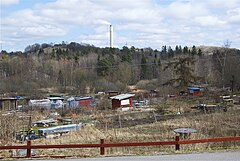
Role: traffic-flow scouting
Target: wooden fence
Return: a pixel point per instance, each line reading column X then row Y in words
column 102, row 145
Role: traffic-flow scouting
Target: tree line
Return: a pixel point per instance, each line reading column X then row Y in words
column 82, row 68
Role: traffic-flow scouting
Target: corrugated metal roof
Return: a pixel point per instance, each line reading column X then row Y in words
column 82, row 98
column 122, row 96
column 185, row 130
column 9, row 98
column 55, row 98
column 193, row 88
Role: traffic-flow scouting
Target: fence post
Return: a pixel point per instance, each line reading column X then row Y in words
column 29, row 149
column 102, row 151
column 177, row 146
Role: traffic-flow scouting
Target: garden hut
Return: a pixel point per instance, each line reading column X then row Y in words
column 122, row 100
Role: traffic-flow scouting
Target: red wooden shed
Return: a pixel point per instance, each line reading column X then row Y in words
column 83, row 101
column 194, row 91
column 122, row 100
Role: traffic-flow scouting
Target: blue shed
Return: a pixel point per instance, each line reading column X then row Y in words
column 195, row 91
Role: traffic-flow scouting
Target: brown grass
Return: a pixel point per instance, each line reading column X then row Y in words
column 208, row 126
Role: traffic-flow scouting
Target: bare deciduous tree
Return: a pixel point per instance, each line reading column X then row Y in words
column 221, row 57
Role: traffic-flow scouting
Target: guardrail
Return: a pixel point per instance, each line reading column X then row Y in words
column 102, row 145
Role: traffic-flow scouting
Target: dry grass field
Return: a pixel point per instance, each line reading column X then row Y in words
column 114, row 130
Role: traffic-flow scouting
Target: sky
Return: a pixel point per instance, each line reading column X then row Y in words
column 139, row 23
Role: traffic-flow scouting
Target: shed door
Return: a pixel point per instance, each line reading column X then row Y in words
column 125, row 102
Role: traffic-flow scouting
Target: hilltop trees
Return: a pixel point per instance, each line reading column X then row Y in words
column 126, row 55
column 183, row 72
column 144, row 69
column 75, row 67
column 105, row 63
column 194, row 50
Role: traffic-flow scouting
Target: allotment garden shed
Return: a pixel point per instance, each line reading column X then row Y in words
column 122, row 100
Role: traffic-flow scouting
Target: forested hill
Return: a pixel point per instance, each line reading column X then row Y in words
column 81, row 69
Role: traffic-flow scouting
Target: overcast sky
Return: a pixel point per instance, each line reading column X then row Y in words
column 139, row 23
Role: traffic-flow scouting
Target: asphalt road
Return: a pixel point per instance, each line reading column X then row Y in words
column 214, row 156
